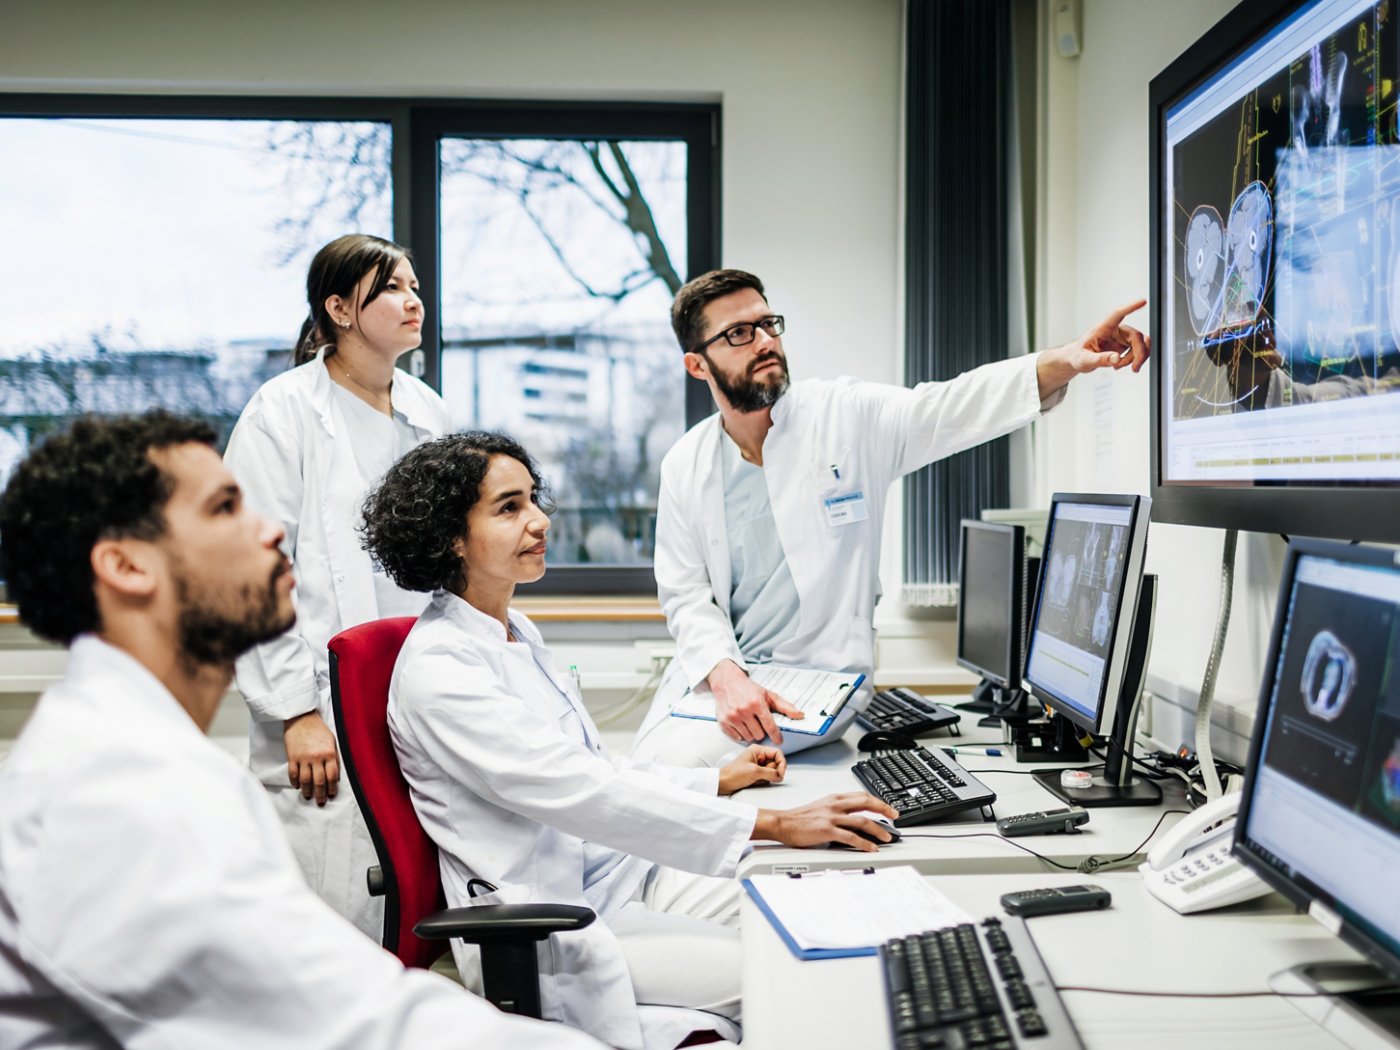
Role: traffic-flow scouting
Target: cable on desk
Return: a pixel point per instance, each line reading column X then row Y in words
column 1268, row 993
column 1150, row 772
column 1087, row 866
column 1008, row 772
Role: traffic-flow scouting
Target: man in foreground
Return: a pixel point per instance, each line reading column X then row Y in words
column 148, row 897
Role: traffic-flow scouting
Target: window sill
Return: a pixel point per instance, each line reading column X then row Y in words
column 591, row 610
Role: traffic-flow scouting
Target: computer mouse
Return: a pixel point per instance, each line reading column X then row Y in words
column 883, row 821
column 884, row 740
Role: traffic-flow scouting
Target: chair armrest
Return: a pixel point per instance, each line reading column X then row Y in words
column 493, row 923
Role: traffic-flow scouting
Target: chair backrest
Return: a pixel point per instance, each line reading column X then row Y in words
column 362, row 663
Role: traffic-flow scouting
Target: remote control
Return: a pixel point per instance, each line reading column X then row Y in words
column 1053, row 901
column 1044, row 823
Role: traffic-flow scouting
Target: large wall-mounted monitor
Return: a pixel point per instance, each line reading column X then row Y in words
column 1320, row 815
column 1275, row 297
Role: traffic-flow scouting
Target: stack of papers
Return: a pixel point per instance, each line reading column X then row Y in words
column 838, row 913
column 820, row 695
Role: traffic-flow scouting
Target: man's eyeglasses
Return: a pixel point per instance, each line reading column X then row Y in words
column 745, row 333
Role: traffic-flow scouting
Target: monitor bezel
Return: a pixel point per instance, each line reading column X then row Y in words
column 1301, row 891
column 1341, row 510
column 1016, row 648
column 1123, row 618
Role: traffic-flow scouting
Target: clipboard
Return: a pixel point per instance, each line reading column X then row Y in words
column 843, row 913
column 819, row 693
column 790, row 941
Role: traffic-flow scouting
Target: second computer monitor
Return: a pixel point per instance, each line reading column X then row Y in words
column 1090, row 638
column 1085, row 606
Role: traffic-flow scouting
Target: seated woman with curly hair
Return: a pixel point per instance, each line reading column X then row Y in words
column 510, row 778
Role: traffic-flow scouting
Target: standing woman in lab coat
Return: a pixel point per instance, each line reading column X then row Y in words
column 510, row 779
column 306, row 449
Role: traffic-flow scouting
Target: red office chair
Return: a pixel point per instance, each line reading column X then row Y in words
column 416, row 920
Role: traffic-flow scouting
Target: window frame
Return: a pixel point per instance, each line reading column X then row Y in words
column 417, row 125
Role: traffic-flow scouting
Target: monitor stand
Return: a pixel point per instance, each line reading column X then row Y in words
column 1354, row 1002
column 1114, row 783
column 1055, row 740
column 997, row 703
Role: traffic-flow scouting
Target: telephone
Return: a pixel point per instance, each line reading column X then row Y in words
column 1193, row 868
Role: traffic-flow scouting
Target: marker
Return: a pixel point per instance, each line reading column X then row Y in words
column 994, row 752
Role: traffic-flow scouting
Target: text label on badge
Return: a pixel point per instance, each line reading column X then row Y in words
column 845, row 510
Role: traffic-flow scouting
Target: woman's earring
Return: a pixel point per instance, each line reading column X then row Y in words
column 343, row 324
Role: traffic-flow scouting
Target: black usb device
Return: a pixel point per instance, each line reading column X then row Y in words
column 1053, row 901
column 1045, row 822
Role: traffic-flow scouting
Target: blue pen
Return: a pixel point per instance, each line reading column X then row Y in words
column 835, row 473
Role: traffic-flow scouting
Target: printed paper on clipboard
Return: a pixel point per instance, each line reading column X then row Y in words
column 836, row 914
column 819, row 694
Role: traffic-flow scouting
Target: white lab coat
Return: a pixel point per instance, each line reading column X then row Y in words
column 511, row 781
column 830, row 438
column 291, row 452
column 148, row 898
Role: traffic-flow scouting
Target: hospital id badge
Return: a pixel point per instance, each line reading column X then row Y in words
column 845, row 510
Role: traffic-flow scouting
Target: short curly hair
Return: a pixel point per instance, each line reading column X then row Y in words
column 419, row 511
column 95, row 480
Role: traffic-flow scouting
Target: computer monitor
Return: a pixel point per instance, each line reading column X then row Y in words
column 1275, row 291
column 993, row 589
column 1320, row 816
column 1090, row 636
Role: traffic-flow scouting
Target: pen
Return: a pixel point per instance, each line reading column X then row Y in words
column 995, row 752
column 835, row 473
column 577, row 678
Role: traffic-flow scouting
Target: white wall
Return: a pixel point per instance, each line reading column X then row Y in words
column 1095, row 185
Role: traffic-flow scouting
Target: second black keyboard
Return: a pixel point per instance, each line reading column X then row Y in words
column 905, row 711
column 921, row 785
column 982, row 987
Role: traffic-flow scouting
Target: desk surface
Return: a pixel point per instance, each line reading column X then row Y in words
column 1110, row 833
column 1137, row 944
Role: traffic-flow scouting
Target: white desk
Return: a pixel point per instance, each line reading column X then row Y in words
column 1138, row 943
column 827, row 770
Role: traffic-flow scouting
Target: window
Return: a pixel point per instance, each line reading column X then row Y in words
column 167, row 240
column 162, row 261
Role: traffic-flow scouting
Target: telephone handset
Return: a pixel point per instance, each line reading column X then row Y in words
column 1193, row 867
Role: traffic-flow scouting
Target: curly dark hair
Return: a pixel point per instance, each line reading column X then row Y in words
column 94, row 481
column 419, row 510
column 688, row 309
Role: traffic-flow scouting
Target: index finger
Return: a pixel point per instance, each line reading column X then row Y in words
column 770, row 727
column 860, row 800
column 1116, row 317
column 777, row 703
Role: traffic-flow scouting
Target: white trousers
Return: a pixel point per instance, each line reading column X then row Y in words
column 681, row 941
column 333, row 849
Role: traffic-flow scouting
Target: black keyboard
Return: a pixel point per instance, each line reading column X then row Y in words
column 921, row 785
column 982, row 986
column 905, row 711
